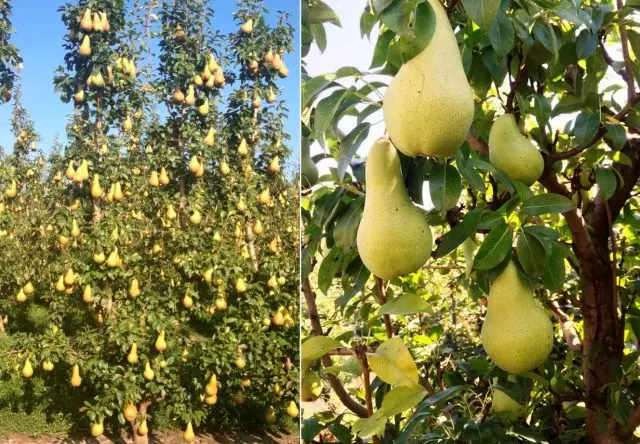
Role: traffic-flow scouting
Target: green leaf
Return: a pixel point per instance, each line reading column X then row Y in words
column 531, row 254
column 445, row 186
column 495, row 248
column 502, row 35
column 617, row 134
column 547, row 203
column 451, row 240
column 554, row 273
column 408, row 303
column 482, row 12
column 393, row 363
column 310, row 428
column 381, row 49
column 349, row 146
column 319, row 12
column 586, row 44
column 328, row 268
column 470, row 174
column 586, row 126
column 317, row 346
column 395, row 17
column 350, row 365
column 346, row 226
column 524, row 192
column 423, row 27
column 606, row 180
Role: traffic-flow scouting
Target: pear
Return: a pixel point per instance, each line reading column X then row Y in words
column 148, row 372
column 12, row 191
column 194, row 164
column 27, row 369
column 212, row 386
column 106, row 26
column 179, row 34
column 240, row 362
column 274, row 165
column 113, row 260
column 132, row 357
column 428, row 107
column 224, row 168
column 28, row 289
column 161, row 343
column 273, row 246
column 97, row 22
column 243, row 148
column 96, row 189
column 75, row 230
column 76, row 380
column 504, row 405
column 127, row 125
column 134, row 289
column 292, row 409
column 78, row 97
column 210, row 400
column 308, row 168
column 512, row 152
column 99, row 257
column 85, row 47
column 277, row 61
column 219, row 79
column 97, row 429
column 87, row 294
column 130, row 412
column 241, row 287
column 247, row 26
column 191, row 96
column 203, row 108
column 171, row 213
column 187, row 301
column 117, row 192
column 60, row 287
column 220, row 303
column 239, row 398
column 143, row 429
column 272, row 282
column 86, row 24
column 257, row 227
column 283, row 71
column 208, row 275
column 178, row 96
column 188, row 434
column 517, row 334
column 394, row 239
column 271, row 96
column 47, row 366
column 257, row 102
column 69, row 278
column 70, row 171
column 195, row 217
column 21, row 297
column 264, row 197
column 268, row 56
column 311, row 387
column 154, row 180
column 210, row 139
column 164, row 177
column 270, row 415
column 277, row 319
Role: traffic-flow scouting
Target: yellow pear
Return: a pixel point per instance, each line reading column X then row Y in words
column 75, row 231
column 85, row 47
column 212, row 386
column 240, row 206
column 247, row 26
column 270, row 415
column 47, row 366
column 197, row 80
column 512, row 152
column 311, row 387
column 220, row 303
column 96, row 189
column 127, row 125
column 264, row 197
column 268, row 56
column 113, row 260
column 397, row 240
column 283, row 71
column 241, row 287
column 194, row 164
column 27, row 369
column 210, row 139
column 164, row 177
column 161, row 343
column 272, row 282
column 188, row 434
column 274, row 165
column 281, row 280
column 257, row 102
column 210, row 400
column 12, row 191
column 240, row 362
column 70, row 173
column 271, row 96
column 97, row 429
column 69, row 278
column 171, row 213
column 219, row 79
column 504, row 405
column 99, row 257
column 148, row 373
column 187, row 301
column 203, row 108
column 517, row 334
column 106, row 26
column 76, row 380
column 273, row 246
column 428, row 107
column 224, row 168
column 78, row 97
column 191, row 96
column 257, row 227
column 195, row 217
column 292, row 409
column 208, row 275
column 143, row 429
column 87, row 294
column 278, row 319
column 178, row 96
column 134, row 289
column 154, row 180
column 117, row 192
column 132, row 357
column 28, row 289
column 86, row 24
column 60, row 287
column 21, row 297
column 243, row 148
column 97, row 22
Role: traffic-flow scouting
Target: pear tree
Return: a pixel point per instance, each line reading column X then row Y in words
column 470, row 239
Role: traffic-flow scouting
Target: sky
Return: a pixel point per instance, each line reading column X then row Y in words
column 39, row 33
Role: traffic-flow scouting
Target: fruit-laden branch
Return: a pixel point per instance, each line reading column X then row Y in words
column 335, row 383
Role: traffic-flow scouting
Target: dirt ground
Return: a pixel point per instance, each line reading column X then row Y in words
column 228, row 437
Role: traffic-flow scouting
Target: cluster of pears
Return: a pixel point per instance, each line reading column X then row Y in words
column 211, row 76
column 96, row 22
column 517, row 333
column 210, row 396
column 394, row 238
column 79, row 175
column 282, row 317
column 158, row 178
column 274, row 60
column 66, row 282
column 27, row 290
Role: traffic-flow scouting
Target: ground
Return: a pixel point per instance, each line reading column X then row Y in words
column 174, row 437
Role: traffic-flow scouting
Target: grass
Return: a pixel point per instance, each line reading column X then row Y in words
column 34, row 424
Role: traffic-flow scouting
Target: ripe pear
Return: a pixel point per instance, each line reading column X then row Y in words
column 203, row 108
column 171, row 213
column 428, row 107
column 154, row 180
column 195, row 217
column 268, row 56
column 212, row 386
column 257, row 227
column 505, row 406
column 210, row 400
column 271, row 96
column 210, row 139
column 148, row 372
column 264, row 197
column 224, row 168
column 130, row 412
column 12, row 191
column 191, row 96
column 208, row 275
column 87, row 294
column 27, row 369
column 134, row 289
column 161, row 343
column 164, row 177
column 241, row 206
column 240, row 362
column 60, row 287
column 97, row 22
column 85, row 47
column 143, row 429
column 241, row 287
column 47, row 366
column 75, row 230
column 132, row 357
column 270, row 415
column 516, row 334
column 99, row 257
column 96, row 189
column 188, row 434
column 394, row 239
column 308, row 168
column 97, row 429
column 76, row 380
column 194, row 164
column 247, row 26
column 106, row 26
column 86, row 24
column 219, row 79
column 311, row 387
column 220, row 303
column 272, row 282
column 292, row 409
column 113, row 260
column 69, row 278
column 512, row 152
column 283, row 71
column 274, row 165
column 178, row 96
column 187, row 301
column 28, row 289
column 277, row 319
column 243, row 149
column 78, row 97
column 117, row 192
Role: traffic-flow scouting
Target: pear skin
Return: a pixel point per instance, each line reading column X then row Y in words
column 512, row 152
column 517, row 333
column 428, row 107
column 394, row 239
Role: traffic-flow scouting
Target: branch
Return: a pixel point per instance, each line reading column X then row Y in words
column 335, row 383
column 624, row 41
column 568, row 330
column 383, row 300
column 452, row 6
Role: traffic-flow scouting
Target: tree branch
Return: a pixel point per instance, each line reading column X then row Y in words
column 383, row 300
column 624, row 41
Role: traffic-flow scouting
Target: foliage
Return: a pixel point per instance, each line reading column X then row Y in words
column 574, row 233
column 139, row 214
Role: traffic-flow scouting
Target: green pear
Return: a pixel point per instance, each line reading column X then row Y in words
column 394, row 239
column 311, row 387
column 516, row 334
column 309, row 170
column 428, row 107
column 512, row 152
column 504, row 405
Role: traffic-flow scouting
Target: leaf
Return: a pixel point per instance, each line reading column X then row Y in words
column 586, row 44
column 554, row 273
column 381, row 49
column 470, row 174
column 502, row 35
column 317, row 346
column 424, row 26
column 445, row 186
column 482, row 12
column 349, row 146
column 319, row 13
column 547, row 203
column 451, row 240
column 617, row 134
column 395, row 17
column 606, row 180
column 345, row 230
column 531, row 254
column 495, row 248
column 351, row 365
column 328, row 268
column 408, row 303
column 310, row 428
column 524, row 192
column 586, row 126
column 393, row 363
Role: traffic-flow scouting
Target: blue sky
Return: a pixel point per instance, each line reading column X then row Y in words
column 39, row 37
